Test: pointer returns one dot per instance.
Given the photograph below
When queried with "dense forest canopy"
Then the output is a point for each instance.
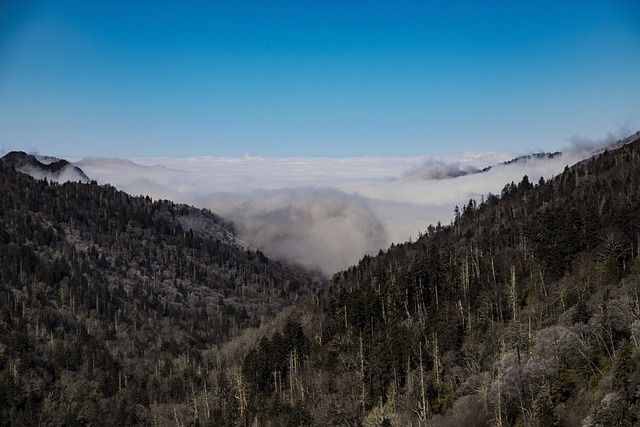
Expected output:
(524, 310)
(109, 305)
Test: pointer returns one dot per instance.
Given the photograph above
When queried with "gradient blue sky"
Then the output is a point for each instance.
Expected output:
(321, 78)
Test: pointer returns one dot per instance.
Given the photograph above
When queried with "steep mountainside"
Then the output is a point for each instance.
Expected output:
(524, 311)
(112, 307)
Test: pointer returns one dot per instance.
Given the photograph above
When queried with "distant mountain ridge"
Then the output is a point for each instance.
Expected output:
(435, 169)
(534, 156)
(202, 222)
(52, 168)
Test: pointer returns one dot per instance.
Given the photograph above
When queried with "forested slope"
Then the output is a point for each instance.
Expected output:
(524, 311)
(112, 310)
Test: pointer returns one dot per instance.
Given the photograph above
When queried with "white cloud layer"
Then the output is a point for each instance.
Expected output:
(326, 213)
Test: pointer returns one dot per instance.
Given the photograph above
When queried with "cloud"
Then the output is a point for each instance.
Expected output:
(584, 146)
(442, 168)
(439, 169)
(326, 213)
(68, 173)
(321, 229)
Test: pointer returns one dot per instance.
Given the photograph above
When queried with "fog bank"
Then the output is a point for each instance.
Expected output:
(326, 213)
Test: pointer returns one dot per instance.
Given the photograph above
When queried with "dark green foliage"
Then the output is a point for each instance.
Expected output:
(110, 308)
(271, 369)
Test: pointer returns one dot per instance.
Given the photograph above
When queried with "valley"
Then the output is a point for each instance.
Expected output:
(523, 310)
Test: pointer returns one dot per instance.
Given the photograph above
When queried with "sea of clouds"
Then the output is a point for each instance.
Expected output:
(325, 213)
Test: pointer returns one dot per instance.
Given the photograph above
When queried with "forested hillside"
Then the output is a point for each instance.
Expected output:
(524, 311)
(112, 309)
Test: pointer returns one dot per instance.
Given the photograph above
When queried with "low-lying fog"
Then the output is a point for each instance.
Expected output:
(326, 213)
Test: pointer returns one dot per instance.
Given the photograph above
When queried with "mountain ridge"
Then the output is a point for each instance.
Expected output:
(54, 169)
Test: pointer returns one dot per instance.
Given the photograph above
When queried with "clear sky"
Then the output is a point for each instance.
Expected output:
(314, 78)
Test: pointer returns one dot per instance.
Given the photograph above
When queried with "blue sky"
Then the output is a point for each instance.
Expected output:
(297, 78)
